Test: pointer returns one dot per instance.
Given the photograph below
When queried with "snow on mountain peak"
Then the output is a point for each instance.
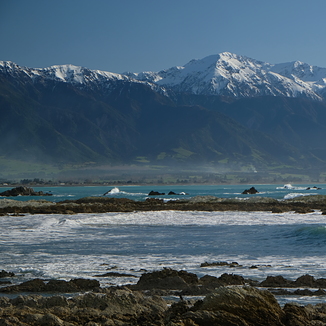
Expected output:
(239, 76)
(226, 74)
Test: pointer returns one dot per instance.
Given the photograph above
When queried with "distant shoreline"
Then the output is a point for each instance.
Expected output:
(160, 184)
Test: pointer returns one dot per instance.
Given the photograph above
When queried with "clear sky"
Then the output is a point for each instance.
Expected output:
(150, 35)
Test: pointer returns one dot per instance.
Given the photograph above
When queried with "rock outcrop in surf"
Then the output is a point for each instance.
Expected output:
(23, 191)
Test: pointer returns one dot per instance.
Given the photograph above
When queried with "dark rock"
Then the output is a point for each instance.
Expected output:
(85, 284)
(60, 286)
(209, 281)
(38, 285)
(304, 210)
(23, 191)
(220, 263)
(115, 274)
(172, 193)
(275, 281)
(320, 292)
(277, 209)
(112, 307)
(228, 306)
(166, 279)
(4, 274)
(305, 280)
(155, 193)
(250, 191)
(321, 283)
(231, 279)
(295, 315)
(302, 281)
(303, 292)
(259, 266)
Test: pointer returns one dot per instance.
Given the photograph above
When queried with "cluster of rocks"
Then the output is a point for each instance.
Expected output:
(23, 191)
(168, 282)
(238, 305)
(304, 204)
(220, 263)
(62, 286)
(110, 307)
(171, 193)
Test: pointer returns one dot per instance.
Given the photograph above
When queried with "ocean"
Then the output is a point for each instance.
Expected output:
(83, 245)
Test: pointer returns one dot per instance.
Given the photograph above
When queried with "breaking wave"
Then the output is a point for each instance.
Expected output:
(116, 191)
(289, 186)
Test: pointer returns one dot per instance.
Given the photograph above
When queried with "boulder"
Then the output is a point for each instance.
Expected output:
(250, 191)
(296, 315)
(230, 306)
(305, 280)
(167, 279)
(275, 281)
(231, 279)
(155, 193)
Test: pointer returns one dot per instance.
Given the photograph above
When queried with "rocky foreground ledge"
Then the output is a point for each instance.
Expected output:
(234, 306)
(303, 204)
(229, 302)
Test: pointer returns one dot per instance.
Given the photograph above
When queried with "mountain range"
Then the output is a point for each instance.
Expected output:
(224, 109)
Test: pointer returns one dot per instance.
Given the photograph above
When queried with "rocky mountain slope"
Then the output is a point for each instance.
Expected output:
(223, 109)
(238, 76)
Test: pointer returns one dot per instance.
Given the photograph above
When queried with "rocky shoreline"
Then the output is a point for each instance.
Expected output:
(303, 204)
(228, 300)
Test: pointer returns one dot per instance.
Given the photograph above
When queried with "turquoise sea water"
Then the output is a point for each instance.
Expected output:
(141, 192)
(83, 245)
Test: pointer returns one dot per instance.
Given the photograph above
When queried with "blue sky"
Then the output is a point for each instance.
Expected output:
(150, 35)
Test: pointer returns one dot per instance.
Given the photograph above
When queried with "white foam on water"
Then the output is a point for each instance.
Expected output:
(84, 245)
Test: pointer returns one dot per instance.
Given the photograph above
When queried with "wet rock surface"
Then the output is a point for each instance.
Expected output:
(227, 300)
(225, 306)
(112, 307)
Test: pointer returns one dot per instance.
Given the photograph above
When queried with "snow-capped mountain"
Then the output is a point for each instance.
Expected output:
(239, 76)
(222, 74)
(73, 114)
(66, 73)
